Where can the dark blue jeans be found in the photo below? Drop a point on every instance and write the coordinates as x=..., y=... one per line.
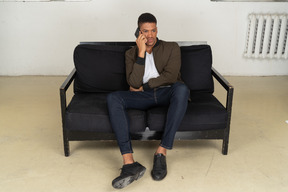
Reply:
x=175, y=96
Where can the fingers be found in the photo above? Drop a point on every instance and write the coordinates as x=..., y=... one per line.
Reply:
x=141, y=43
x=141, y=38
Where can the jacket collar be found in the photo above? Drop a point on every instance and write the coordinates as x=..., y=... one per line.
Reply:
x=157, y=43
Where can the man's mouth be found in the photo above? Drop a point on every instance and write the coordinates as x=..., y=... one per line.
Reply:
x=150, y=40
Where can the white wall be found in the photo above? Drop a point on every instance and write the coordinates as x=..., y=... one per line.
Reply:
x=39, y=38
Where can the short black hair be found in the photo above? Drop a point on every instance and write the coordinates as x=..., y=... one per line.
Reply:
x=146, y=18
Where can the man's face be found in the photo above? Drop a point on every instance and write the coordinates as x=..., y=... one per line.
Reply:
x=149, y=30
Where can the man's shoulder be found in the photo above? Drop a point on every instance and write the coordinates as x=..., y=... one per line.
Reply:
x=167, y=49
x=132, y=50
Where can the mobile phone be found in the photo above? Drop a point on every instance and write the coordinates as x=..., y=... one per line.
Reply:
x=137, y=32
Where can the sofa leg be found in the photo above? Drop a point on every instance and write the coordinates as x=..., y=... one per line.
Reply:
x=225, y=147
x=66, y=144
x=66, y=148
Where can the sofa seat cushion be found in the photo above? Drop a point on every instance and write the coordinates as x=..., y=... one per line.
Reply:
x=89, y=112
x=204, y=112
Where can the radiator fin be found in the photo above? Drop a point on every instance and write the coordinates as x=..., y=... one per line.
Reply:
x=267, y=36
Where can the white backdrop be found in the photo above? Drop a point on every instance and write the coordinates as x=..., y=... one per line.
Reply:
x=38, y=38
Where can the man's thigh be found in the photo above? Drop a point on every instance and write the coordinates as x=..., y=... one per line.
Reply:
x=177, y=90
x=137, y=99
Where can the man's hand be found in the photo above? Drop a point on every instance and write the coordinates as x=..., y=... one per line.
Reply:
x=134, y=89
x=141, y=43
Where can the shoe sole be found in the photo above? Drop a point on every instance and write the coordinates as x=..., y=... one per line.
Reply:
x=128, y=180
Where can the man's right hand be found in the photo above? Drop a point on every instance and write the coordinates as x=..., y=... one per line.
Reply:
x=134, y=89
x=141, y=43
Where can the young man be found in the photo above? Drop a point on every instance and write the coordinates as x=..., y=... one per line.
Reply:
x=153, y=73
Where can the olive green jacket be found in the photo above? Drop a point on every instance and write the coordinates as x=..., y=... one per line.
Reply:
x=167, y=58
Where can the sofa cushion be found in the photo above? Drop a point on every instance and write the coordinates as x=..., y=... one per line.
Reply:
x=89, y=112
x=196, y=68
x=204, y=112
x=100, y=68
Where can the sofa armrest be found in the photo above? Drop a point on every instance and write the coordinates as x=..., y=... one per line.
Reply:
x=221, y=79
x=229, y=98
x=229, y=88
x=64, y=87
x=68, y=80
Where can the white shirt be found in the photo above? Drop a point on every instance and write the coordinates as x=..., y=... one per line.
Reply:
x=150, y=69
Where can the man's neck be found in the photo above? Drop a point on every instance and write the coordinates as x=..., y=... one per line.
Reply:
x=149, y=50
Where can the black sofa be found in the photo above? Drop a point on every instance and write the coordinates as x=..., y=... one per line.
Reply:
x=100, y=69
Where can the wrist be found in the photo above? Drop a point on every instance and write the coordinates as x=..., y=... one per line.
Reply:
x=146, y=87
x=141, y=54
x=140, y=60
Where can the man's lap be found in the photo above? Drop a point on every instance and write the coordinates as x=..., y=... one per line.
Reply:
x=146, y=99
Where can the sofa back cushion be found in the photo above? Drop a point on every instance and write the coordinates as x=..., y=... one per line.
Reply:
x=100, y=68
x=196, y=68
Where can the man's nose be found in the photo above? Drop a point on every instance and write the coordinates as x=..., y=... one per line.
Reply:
x=149, y=34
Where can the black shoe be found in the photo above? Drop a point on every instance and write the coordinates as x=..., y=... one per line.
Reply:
x=159, y=171
x=128, y=174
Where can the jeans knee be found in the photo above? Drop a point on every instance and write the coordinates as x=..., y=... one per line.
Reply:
x=181, y=91
x=113, y=99
x=110, y=98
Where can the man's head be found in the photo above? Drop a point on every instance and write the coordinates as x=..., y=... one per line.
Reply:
x=147, y=24
x=146, y=18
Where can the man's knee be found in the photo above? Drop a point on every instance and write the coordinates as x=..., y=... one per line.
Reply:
x=181, y=91
x=113, y=98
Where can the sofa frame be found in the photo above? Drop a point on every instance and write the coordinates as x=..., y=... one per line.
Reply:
x=73, y=135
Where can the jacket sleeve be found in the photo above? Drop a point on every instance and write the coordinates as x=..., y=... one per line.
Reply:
x=170, y=70
x=135, y=67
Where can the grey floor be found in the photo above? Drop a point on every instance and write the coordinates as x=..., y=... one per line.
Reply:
x=32, y=158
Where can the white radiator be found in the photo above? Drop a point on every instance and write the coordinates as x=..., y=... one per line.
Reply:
x=267, y=36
